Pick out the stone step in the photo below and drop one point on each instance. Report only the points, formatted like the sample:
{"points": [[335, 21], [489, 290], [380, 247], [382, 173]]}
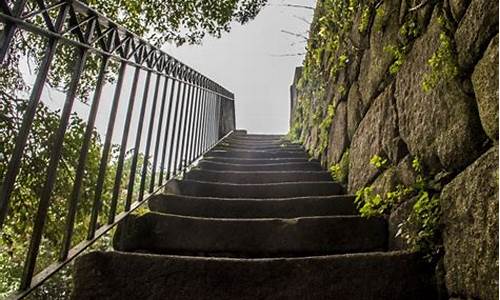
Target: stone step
{"points": [[237, 139], [294, 166], [277, 147], [257, 154], [256, 161], [173, 234], [253, 208], [257, 177], [259, 136], [260, 191], [363, 276]]}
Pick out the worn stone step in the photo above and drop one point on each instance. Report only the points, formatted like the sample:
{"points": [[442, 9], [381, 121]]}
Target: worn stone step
{"points": [[292, 166], [173, 234], [238, 139], [257, 177], [259, 136], [257, 161], [261, 191], [363, 276], [257, 154], [277, 147], [253, 208]]}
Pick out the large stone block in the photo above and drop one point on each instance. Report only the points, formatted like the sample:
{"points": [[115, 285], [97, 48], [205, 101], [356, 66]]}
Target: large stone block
{"points": [[470, 218], [441, 126], [485, 81], [475, 30], [377, 134], [337, 139], [355, 109], [376, 61]]}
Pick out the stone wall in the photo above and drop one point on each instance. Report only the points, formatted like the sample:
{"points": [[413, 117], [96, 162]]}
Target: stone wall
{"points": [[406, 80]]}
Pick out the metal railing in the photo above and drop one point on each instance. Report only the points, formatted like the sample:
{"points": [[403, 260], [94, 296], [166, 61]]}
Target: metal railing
{"points": [[187, 105]]}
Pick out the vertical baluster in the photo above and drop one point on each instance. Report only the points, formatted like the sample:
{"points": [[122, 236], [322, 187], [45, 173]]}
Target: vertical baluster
{"points": [[196, 119], [167, 127], [148, 140], [189, 102], [82, 160], [27, 122], [179, 129], [174, 140], [123, 148], [55, 156], [103, 164], [137, 145], [158, 137]]}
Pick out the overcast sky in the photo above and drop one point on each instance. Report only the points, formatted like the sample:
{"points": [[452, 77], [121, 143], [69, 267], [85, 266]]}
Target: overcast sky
{"points": [[249, 61]]}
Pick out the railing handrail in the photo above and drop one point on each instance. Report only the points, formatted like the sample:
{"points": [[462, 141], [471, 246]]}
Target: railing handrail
{"points": [[199, 127]]}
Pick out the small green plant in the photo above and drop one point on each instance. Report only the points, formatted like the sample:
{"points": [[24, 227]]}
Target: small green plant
{"points": [[442, 63], [378, 162], [425, 218]]}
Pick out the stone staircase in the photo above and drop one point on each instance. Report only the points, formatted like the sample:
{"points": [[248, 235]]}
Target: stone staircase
{"points": [[256, 219]]}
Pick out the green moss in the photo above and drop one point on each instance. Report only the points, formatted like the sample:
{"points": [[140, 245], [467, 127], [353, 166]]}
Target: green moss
{"points": [[324, 128], [380, 15], [365, 19], [398, 54], [443, 64]]}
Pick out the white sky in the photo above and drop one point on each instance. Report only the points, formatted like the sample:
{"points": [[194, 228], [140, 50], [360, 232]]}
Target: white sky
{"points": [[246, 62]]}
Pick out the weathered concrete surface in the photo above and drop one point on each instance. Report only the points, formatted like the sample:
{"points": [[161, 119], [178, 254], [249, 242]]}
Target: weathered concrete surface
{"points": [[470, 218], [258, 154], [172, 234], [485, 81], [441, 126], [374, 276], [210, 207]]}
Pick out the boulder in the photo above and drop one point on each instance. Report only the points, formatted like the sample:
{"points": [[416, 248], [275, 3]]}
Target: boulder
{"points": [[355, 109], [470, 235], [398, 225], [458, 8], [485, 82], [337, 139], [376, 135], [475, 30], [440, 126], [376, 61]]}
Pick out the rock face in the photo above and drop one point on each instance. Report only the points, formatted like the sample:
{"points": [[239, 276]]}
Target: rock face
{"points": [[485, 81], [475, 30], [443, 126], [440, 126], [375, 136], [338, 139], [470, 217]]}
